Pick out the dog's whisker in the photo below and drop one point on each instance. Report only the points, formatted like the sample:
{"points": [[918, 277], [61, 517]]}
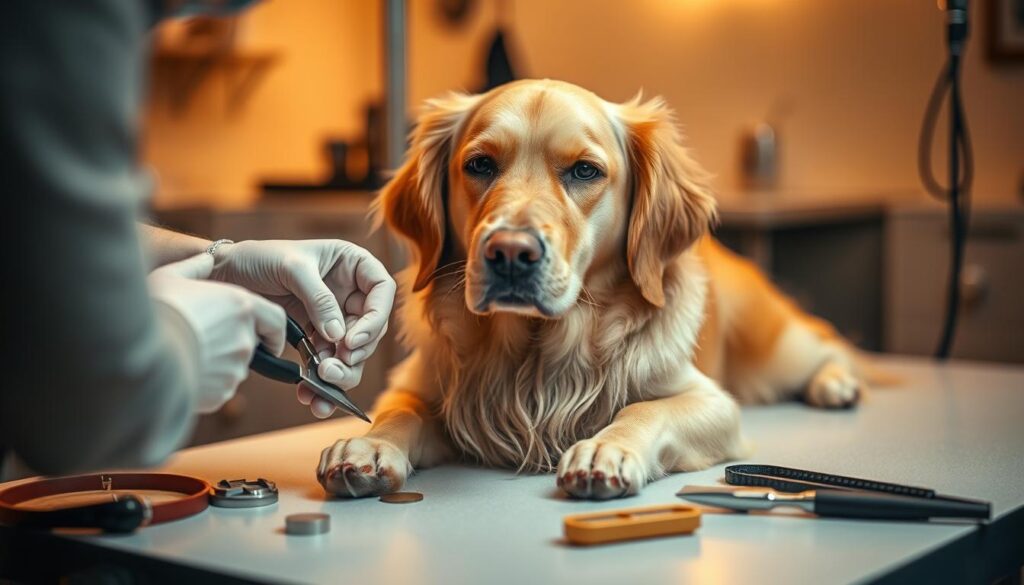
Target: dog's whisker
{"points": [[460, 266], [459, 282], [588, 298]]}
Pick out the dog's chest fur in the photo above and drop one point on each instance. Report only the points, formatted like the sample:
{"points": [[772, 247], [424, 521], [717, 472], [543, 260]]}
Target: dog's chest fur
{"points": [[517, 392]]}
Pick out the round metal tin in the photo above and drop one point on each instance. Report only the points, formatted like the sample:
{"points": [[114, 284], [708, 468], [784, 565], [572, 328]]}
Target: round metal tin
{"points": [[243, 493], [307, 524]]}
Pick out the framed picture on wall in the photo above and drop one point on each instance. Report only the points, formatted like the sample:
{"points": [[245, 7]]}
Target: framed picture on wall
{"points": [[1006, 30]]}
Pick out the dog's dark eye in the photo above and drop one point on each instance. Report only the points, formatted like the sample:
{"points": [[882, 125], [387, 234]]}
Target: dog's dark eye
{"points": [[584, 171], [481, 166]]}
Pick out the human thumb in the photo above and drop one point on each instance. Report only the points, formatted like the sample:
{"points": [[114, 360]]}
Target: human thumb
{"points": [[320, 303], [197, 267]]}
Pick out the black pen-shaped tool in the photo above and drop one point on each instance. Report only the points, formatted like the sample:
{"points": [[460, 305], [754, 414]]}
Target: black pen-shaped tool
{"points": [[282, 370], [838, 503]]}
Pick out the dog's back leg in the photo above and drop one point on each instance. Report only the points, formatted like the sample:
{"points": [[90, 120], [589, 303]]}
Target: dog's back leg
{"points": [[808, 361], [773, 350]]}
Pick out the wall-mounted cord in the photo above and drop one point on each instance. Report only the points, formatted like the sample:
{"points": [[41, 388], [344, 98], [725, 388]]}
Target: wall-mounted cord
{"points": [[961, 163]]}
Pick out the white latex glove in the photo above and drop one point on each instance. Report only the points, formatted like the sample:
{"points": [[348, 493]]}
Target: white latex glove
{"points": [[339, 288], [350, 365], [227, 323]]}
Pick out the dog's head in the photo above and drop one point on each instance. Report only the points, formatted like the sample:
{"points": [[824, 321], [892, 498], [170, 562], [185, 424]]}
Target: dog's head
{"points": [[541, 185]]}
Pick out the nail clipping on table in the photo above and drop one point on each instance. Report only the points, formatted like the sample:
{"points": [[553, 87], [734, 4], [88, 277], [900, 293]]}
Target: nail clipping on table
{"points": [[401, 498]]}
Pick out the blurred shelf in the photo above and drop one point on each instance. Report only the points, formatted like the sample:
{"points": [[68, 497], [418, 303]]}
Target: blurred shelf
{"points": [[179, 72]]}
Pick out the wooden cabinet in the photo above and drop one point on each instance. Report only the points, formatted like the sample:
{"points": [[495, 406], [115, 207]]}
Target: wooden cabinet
{"points": [[826, 256], [879, 272], [992, 312]]}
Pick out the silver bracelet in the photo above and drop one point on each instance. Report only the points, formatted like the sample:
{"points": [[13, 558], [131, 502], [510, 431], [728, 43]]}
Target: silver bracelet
{"points": [[212, 248]]}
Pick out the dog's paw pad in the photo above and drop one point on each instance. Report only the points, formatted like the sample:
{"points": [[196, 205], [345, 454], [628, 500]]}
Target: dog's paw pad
{"points": [[834, 386], [600, 470], [353, 468]]}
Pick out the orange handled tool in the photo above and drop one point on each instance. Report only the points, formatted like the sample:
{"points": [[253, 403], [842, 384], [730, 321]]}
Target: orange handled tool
{"points": [[631, 524]]}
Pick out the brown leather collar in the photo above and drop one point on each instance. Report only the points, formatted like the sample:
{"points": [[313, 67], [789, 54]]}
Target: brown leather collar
{"points": [[121, 515]]}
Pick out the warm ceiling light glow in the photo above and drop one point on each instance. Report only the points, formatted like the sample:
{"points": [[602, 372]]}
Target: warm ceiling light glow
{"points": [[703, 4]]}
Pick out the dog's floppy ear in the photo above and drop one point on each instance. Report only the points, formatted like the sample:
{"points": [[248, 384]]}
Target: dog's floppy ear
{"points": [[413, 201], [672, 205]]}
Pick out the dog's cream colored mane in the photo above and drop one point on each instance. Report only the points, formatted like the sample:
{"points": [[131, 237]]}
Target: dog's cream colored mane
{"points": [[516, 392]]}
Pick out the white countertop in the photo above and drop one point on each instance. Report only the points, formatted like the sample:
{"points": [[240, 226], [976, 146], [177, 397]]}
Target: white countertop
{"points": [[958, 429]]}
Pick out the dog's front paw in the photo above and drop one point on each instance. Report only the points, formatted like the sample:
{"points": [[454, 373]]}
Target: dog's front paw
{"points": [[834, 386], [600, 470], [353, 468]]}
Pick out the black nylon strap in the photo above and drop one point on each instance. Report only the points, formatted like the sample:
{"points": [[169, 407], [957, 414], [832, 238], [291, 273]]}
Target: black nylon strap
{"points": [[786, 479]]}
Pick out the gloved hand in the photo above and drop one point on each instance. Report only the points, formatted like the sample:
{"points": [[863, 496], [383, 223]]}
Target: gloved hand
{"points": [[227, 323], [316, 280]]}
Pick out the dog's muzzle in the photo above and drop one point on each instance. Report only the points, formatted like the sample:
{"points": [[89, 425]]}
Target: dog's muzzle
{"points": [[514, 260]]}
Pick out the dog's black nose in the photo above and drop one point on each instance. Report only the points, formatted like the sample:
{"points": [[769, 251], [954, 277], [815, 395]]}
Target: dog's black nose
{"points": [[513, 253]]}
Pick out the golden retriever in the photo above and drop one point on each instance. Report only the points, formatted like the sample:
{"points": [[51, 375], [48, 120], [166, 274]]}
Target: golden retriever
{"points": [[566, 308]]}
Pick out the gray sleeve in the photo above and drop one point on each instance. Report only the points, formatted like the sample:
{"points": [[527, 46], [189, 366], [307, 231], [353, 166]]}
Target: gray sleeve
{"points": [[93, 377]]}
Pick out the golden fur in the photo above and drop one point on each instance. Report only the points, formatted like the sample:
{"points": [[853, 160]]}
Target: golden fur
{"points": [[614, 376]]}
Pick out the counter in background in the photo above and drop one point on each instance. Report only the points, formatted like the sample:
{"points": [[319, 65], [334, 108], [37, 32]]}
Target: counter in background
{"points": [[877, 266]]}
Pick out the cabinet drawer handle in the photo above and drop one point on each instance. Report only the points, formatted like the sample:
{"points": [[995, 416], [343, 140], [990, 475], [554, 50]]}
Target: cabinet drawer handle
{"points": [[974, 285]]}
